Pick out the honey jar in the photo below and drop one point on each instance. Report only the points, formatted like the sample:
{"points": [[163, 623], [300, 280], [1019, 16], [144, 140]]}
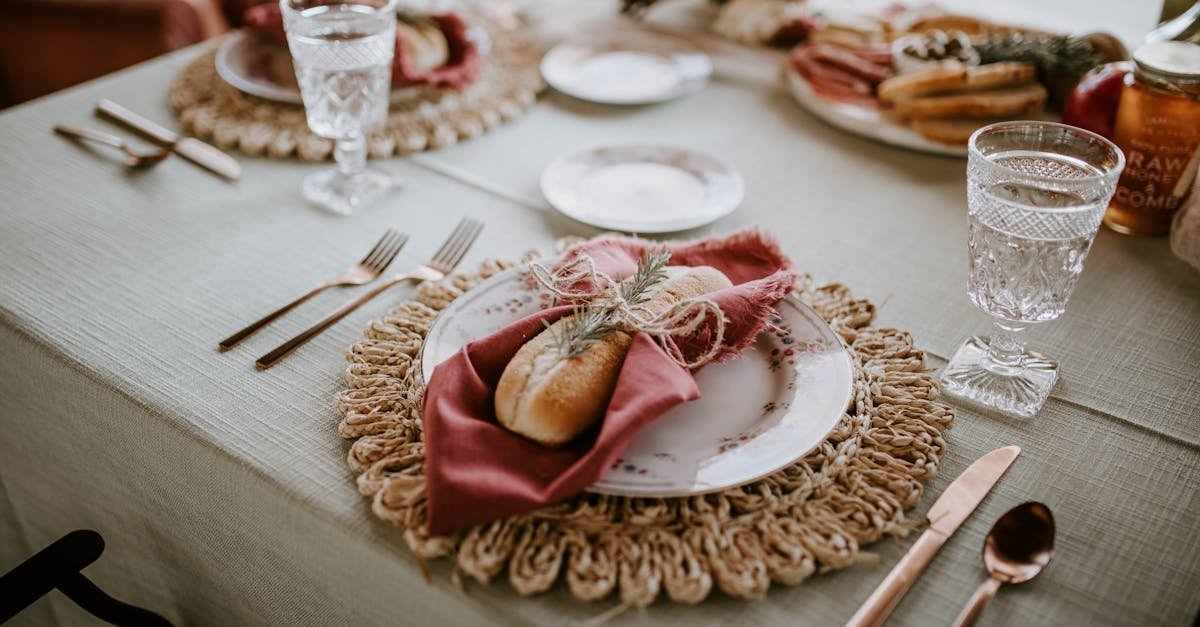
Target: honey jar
{"points": [[1158, 128]]}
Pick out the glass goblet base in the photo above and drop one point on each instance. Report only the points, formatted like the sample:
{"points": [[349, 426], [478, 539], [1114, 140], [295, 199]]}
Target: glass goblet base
{"points": [[344, 193], [1017, 389]]}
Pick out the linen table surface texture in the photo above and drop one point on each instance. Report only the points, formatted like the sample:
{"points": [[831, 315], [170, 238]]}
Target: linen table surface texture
{"points": [[223, 493]]}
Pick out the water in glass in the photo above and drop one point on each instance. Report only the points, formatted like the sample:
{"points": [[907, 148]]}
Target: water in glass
{"points": [[1023, 264], [344, 71]]}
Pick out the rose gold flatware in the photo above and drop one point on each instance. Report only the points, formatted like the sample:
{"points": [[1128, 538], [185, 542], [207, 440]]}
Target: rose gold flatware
{"points": [[441, 264], [1018, 547], [361, 273], [133, 158], [948, 512], [190, 148]]}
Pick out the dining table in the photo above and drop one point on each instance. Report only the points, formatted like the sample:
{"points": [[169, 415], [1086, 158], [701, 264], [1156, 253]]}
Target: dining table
{"points": [[223, 493]]}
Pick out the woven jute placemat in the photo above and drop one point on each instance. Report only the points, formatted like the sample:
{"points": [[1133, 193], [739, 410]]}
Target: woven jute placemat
{"points": [[425, 118], [808, 518]]}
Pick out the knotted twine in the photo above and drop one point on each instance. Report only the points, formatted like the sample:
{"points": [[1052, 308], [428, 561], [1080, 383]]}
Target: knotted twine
{"points": [[813, 516], [579, 282]]}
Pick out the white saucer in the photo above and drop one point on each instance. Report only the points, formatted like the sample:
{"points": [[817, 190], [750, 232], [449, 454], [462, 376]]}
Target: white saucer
{"points": [[627, 68], [640, 188]]}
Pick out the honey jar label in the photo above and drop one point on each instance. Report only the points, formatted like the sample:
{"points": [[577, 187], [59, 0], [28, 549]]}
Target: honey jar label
{"points": [[1160, 154]]}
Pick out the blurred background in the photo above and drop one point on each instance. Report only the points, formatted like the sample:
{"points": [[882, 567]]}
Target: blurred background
{"points": [[48, 45]]}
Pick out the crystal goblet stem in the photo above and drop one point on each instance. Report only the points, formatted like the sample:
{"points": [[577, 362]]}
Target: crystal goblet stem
{"points": [[350, 153], [1006, 345]]}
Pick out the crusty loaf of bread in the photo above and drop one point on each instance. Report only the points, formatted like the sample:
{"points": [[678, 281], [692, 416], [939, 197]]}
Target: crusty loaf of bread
{"points": [[551, 399], [942, 79], [1001, 102], [424, 45]]}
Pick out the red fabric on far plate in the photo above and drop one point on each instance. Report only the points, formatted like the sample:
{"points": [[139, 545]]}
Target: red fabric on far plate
{"points": [[477, 471]]}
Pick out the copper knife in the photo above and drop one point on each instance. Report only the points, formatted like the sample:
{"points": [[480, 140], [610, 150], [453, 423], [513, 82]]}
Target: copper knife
{"points": [[961, 498], [189, 147]]}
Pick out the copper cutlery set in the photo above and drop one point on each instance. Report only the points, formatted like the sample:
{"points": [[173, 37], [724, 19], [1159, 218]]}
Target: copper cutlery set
{"points": [[372, 266], [168, 141], [1016, 549]]}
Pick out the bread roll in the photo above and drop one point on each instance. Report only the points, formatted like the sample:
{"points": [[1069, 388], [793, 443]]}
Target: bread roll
{"points": [[424, 45], [955, 79], [550, 399], [1002, 102]]}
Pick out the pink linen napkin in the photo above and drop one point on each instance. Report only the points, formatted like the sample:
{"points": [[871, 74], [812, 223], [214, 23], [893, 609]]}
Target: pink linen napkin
{"points": [[477, 471]]}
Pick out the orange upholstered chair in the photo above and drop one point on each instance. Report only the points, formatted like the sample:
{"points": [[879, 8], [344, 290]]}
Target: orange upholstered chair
{"points": [[46, 45]]}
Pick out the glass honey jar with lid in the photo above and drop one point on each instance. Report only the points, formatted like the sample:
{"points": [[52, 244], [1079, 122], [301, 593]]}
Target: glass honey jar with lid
{"points": [[1158, 128]]}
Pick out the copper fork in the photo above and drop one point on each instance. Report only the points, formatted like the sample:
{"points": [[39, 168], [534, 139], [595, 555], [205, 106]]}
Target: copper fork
{"points": [[361, 273], [441, 264]]}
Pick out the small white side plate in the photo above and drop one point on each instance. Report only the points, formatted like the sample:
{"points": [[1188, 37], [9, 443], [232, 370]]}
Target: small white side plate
{"points": [[641, 188], [627, 68], [758, 413]]}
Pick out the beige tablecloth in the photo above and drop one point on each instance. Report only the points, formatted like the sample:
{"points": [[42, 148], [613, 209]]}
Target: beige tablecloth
{"points": [[223, 492]]}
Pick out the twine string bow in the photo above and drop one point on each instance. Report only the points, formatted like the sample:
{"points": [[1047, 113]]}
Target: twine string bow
{"points": [[679, 320]]}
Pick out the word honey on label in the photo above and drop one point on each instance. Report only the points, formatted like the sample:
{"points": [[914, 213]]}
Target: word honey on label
{"points": [[1158, 128]]}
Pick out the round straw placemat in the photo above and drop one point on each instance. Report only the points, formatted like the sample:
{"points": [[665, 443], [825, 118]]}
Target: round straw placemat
{"points": [[424, 118], [808, 518]]}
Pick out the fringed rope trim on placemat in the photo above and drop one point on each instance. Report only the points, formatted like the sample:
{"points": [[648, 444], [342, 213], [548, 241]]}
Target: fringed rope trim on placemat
{"points": [[808, 518], [427, 118]]}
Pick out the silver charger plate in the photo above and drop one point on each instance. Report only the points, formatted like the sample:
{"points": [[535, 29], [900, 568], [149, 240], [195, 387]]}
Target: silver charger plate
{"points": [[758, 413], [627, 68], [642, 188]]}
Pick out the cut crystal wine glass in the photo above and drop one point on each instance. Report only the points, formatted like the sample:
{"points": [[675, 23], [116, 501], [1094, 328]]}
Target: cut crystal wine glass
{"points": [[342, 52], [1036, 192]]}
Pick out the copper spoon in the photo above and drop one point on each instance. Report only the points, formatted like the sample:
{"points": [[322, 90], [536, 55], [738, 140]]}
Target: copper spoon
{"points": [[133, 158], [1017, 548]]}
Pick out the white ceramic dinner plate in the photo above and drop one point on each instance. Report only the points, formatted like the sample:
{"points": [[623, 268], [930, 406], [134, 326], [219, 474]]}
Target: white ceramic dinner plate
{"points": [[642, 188], [626, 67], [243, 62], [254, 67], [758, 413]]}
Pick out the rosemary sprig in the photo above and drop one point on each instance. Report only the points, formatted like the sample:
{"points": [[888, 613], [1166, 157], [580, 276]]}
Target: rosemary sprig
{"points": [[584, 327], [1052, 55], [651, 271], [591, 324]]}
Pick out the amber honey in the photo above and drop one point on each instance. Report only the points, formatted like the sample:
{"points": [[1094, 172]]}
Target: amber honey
{"points": [[1158, 128]]}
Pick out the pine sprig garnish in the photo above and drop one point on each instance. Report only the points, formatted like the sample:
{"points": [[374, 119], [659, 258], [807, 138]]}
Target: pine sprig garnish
{"points": [[1053, 55], [581, 329], [651, 271], [591, 324]]}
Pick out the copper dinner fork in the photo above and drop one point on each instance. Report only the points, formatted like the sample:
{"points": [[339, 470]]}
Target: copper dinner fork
{"points": [[441, 264], [361, 273]]}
